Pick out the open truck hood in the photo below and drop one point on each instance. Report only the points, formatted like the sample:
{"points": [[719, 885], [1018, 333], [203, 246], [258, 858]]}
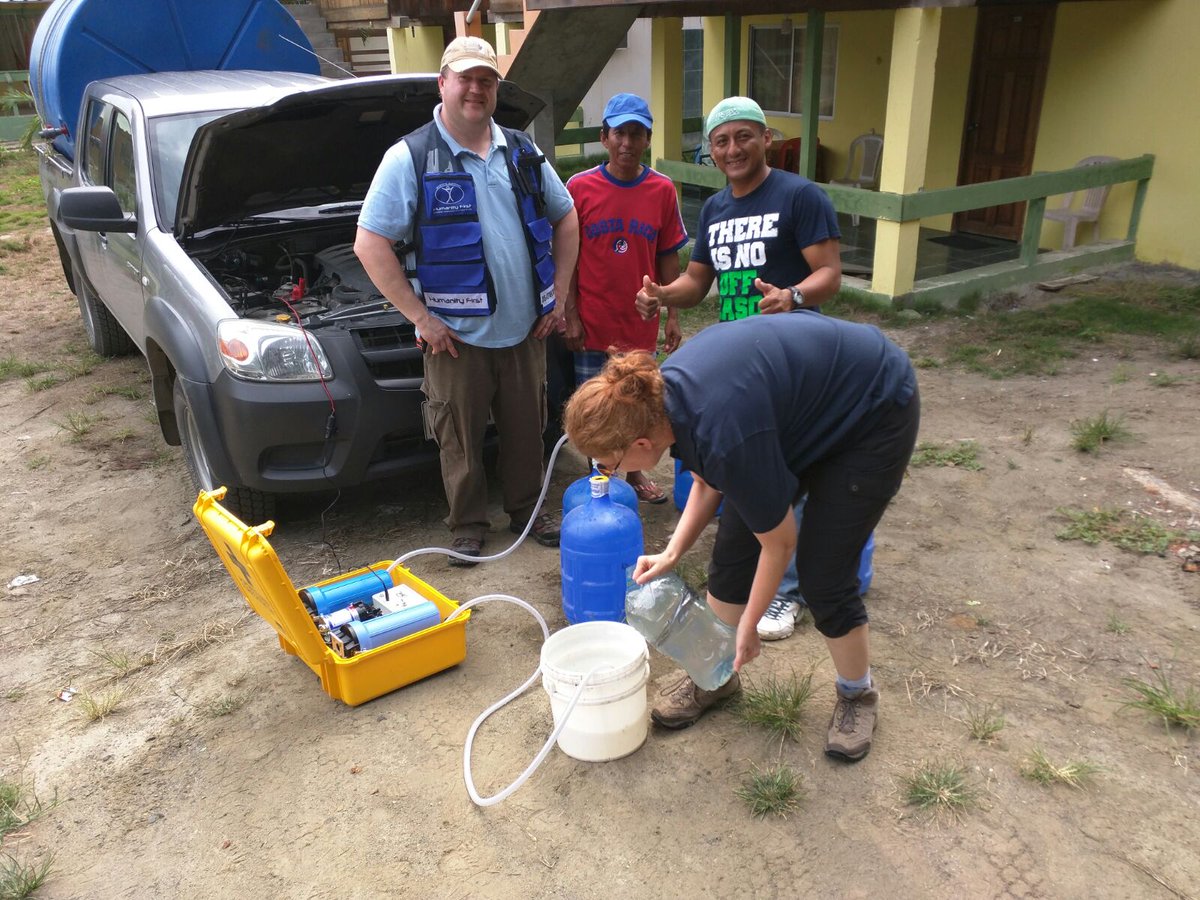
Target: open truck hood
{"points": [[315, 146]]}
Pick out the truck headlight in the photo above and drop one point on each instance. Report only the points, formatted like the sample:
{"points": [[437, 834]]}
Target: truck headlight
{"points": [[265, 351]]}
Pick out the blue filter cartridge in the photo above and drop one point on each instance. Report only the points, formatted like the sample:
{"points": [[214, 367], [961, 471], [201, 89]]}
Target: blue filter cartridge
{"points": [[325, 599], [358, 637]]}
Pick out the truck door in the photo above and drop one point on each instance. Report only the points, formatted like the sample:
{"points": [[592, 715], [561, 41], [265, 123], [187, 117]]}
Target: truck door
{"points": [[113, 260]]}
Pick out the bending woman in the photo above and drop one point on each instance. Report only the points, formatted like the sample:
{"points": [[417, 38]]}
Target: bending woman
{"points": [[762, 411]]}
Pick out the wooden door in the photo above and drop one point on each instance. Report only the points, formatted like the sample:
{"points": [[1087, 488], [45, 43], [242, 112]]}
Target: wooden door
{"points": [[1008, 75]]}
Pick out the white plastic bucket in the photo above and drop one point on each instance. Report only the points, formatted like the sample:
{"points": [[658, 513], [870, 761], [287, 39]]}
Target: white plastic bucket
{"points": [[610, 719]]}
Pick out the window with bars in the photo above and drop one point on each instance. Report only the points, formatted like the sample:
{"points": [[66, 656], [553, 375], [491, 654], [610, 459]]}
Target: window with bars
{"points": [[777, 65]]}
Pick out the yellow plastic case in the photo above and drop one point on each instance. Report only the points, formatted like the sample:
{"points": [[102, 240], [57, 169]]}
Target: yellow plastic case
{"points": [[259, 575]]}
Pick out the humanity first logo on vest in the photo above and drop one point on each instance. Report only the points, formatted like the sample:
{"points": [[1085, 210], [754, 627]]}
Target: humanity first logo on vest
{"points": [[738, 247], [452, 198]]}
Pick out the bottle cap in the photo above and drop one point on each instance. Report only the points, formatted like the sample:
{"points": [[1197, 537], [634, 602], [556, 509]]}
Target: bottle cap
{"points": [[599, 485]]}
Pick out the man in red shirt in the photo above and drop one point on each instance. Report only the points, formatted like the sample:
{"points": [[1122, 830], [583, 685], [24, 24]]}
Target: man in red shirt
{"points": [[629, 227]]}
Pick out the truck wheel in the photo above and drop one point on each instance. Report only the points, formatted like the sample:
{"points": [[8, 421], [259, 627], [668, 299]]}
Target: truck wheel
{"points": [[104, 333], [251, 506]]}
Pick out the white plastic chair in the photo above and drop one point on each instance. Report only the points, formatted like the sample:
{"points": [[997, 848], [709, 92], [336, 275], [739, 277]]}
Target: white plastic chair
{"points": [[1088, 211], [863, 164]]}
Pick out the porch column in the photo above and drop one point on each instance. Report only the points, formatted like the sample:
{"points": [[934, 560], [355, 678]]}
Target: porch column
{"points": [[906, 127], [810, 91], [666, 88], [414, 48], [722, 59]]}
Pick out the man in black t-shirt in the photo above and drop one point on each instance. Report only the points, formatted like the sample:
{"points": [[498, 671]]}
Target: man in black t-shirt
{"points": [[770, 237]]}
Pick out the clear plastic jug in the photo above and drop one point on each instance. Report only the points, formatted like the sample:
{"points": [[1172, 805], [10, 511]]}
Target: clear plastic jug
{"points": [[669, 615]]}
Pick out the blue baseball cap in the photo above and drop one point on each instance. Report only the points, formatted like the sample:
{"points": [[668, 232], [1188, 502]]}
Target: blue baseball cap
{"points": [[622, 108]]}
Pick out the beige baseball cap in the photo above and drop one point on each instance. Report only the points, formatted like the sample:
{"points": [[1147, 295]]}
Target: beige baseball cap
{"points": [[469, 52]]}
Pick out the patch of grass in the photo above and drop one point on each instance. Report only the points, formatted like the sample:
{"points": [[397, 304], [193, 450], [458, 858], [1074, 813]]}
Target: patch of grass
{"points": [[43, 383], [164, 457], [926, 362], [777, 791], [775, 704], [1187, 347], [21, 202], [94, 708], [19, 806], [1091, 434], [940, 787], [224, 705], [1120, 375], [1125, 529], [1116, 625], [19, 880], [1000, 339], [12, 695], [79, 425], [984, 722], [37, 462], [1160, 698], [1027, 435], [122, 663], [963, 455], [11, 367], [1038, 767], [128, 391], [1165, 379]]}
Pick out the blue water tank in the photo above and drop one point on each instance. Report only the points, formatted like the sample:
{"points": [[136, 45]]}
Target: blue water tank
{"points": [[600, 544], [581, 491], [683, 487], [81, 41]]}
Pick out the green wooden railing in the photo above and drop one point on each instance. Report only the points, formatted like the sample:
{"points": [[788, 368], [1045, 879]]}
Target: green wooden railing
{"points": [[1034, 189]]}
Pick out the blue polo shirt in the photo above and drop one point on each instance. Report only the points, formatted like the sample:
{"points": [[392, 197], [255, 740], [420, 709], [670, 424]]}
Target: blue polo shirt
{"points": [[390, 207]]}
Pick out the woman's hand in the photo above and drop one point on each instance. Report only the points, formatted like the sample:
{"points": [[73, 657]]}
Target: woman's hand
{"points": [[749, 645], [650, 567]]}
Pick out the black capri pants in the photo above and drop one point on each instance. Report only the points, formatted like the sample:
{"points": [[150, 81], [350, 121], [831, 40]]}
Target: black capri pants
{"points": [[847, 495]]}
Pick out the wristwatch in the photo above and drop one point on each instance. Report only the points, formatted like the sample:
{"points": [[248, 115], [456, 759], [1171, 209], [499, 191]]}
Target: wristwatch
{"points": [[797, 297]]}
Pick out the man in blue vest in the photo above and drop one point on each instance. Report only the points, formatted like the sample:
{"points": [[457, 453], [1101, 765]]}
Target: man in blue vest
{"points": [[496, 238]]}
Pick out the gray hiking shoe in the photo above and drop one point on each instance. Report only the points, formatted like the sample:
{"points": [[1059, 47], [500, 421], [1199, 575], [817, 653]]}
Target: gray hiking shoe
{"points": [[681, 703], [852, 725]]}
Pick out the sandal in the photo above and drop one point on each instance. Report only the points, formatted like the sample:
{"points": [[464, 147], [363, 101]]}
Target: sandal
{"points": [[649, 492]]}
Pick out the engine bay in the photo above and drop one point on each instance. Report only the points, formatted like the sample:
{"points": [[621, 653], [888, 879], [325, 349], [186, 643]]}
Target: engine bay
{"points": [[295, 278]]}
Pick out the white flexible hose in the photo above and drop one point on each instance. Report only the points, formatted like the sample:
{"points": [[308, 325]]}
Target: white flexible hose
{"points": [[528, 525], [562, 722]]}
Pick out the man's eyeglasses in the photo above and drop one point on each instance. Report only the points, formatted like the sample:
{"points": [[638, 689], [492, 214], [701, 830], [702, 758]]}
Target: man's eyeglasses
{"points": [[608, 471]]}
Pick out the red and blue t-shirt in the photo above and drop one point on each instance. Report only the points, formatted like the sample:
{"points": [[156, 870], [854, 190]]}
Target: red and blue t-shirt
{"points": [[624, 227]]}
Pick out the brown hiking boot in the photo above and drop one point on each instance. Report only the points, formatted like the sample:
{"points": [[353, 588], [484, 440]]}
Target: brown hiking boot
{"points": [[681, 703], [852, 725]]}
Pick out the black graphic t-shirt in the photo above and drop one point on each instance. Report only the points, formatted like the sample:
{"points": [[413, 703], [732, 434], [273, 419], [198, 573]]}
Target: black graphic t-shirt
{"points": [[762, 235]]}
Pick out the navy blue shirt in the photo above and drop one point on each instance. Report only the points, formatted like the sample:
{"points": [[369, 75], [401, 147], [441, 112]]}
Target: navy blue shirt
{"points": [[761, 235], [755, 403]]}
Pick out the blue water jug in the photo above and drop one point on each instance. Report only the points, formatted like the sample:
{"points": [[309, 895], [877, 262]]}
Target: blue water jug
{"points": [[600, 544], [679, 623], [683, 487], [581, 491]]}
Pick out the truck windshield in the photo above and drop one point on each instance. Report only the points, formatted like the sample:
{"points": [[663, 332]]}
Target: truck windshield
{"points": [[170, 138]]}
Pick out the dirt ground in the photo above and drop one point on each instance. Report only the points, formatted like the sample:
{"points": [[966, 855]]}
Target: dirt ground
{"points": [[225, 771]]}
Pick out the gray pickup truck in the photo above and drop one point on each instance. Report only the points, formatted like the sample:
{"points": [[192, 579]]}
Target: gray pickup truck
{"points": [[207, 221]]}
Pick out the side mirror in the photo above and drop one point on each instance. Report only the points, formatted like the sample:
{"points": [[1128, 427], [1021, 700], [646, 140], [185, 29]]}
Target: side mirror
{"points": [[94, 209]]}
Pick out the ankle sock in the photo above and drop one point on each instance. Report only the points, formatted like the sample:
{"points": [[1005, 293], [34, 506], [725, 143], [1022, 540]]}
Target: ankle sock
{"points": [[852, 687]]}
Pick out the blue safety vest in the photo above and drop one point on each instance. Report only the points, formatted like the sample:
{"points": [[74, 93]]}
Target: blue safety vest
{"points": [[448, 237]]}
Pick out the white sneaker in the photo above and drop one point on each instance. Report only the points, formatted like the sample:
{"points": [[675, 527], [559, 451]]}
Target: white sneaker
{"points": [[779, 621]]}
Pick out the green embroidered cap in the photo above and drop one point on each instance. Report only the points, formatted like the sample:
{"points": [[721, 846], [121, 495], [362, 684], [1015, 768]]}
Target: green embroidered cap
{"points": [[733, 109]]}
